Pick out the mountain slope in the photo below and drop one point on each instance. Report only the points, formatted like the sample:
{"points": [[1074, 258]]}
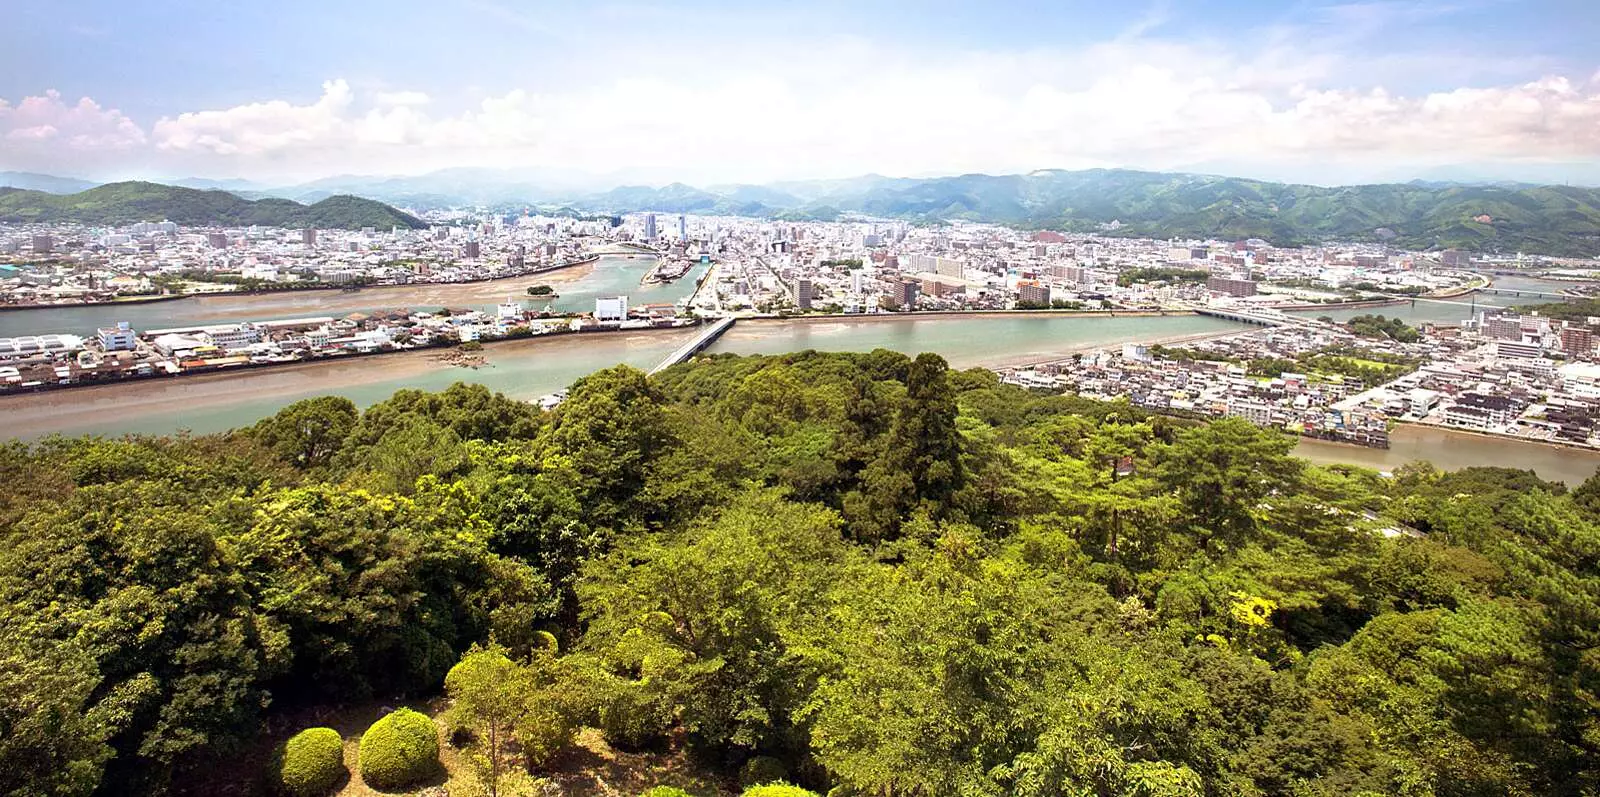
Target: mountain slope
{"points": [[1556, 220], [1504, 218], [123, 203], [31, 181], [1551, 220]]}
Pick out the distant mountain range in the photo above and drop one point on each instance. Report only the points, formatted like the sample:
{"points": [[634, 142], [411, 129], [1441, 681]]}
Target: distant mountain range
{"points": [[44, 182], [1500, 217], [125, 203], [1553, 220]]}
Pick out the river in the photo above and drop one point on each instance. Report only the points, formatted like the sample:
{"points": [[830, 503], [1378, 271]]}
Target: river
{"points": [[577, 286], [531, 368], [1452, 450], [527, 369], [1454, 311]]}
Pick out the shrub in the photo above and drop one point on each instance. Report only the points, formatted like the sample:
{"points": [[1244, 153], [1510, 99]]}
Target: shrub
{"points": [[777, 790], [762, 769], [664, 791], [630, 717], [311, 763], [399, 750]]}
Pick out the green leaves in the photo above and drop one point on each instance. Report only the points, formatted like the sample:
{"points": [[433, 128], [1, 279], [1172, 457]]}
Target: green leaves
{"points": [[862, 570], [714, 624]]}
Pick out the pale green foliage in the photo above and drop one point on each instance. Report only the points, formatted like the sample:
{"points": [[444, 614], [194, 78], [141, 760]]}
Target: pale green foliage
{"points": [[398, 750], [664, 791], [504, 700], [777, 790], [311, 763]]}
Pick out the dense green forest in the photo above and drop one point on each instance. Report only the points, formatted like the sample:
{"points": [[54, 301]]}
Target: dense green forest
{"points": [[1376, 326], [863, 574], [126, 203]]}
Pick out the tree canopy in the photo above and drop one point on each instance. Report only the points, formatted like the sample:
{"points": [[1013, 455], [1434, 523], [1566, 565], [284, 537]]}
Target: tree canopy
{"points": [[862, 572]]}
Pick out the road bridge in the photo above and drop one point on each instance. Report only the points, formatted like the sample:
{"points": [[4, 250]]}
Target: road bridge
{"points": [[1519, 292], [1258, 317], [693, 347], [623, 248]]}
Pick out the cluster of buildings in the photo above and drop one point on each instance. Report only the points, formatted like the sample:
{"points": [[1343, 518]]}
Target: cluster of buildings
{"points": [[120, 352], [1524, 376], [1212, 379], [865, 266], [75, 264], [846, 266], [1504, 374]]}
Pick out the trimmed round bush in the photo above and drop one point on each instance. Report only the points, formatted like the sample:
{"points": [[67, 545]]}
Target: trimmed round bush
{"points": [[762, 769], [399, 750], [777, 790], [544, 640], [664, 791], [311, 763]]}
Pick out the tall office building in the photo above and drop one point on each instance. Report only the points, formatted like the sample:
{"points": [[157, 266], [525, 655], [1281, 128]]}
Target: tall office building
{"points": [[905, 293], [1231, 286], [308, 236], [1033, 293], [42, 244], [649, 226], [801, 292], [1503, 327], [683, 227], [474, 250], [218, 240], [1577, 340], [611, 308]]}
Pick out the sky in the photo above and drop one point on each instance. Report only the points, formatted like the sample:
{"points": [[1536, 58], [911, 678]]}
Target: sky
{"points": [[727, 91]]}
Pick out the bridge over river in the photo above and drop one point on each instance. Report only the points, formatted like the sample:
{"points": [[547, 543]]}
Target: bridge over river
{"points": [[693, 347], [623, 248], [1261, 317]]}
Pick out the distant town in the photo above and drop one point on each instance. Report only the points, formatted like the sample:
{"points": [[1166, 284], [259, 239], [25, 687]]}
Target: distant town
{"points": [[1526, 376]]}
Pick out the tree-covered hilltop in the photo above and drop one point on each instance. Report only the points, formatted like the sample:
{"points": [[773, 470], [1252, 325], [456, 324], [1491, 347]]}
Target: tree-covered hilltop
{"points": [[860, 572], [1547, 220], [1550, 220], [1577, 309], [1376, 326], [130, 202]]}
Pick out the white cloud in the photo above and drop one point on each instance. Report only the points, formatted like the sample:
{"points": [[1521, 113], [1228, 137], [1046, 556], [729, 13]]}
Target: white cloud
{"points": [[45, 133], [846, 107], [262, 127], [83, 125]]}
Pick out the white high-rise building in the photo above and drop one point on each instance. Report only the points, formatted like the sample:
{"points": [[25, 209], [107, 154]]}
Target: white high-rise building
{"points": [[611, 308]]}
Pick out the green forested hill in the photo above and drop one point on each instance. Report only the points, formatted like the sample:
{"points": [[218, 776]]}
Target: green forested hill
{"points": [[863, 573], [123, 203], [1553, 220]]}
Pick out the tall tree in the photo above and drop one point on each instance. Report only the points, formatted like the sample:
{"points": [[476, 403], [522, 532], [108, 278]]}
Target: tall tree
{"points": [[489, 692], [308, 433]]}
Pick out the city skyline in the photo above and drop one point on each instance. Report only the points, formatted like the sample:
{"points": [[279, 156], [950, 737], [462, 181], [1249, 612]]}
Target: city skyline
{"points": [[718, 93]]}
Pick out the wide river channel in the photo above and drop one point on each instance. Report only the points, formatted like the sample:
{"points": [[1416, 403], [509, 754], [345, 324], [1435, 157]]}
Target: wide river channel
{"points": [[530, 368]]}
